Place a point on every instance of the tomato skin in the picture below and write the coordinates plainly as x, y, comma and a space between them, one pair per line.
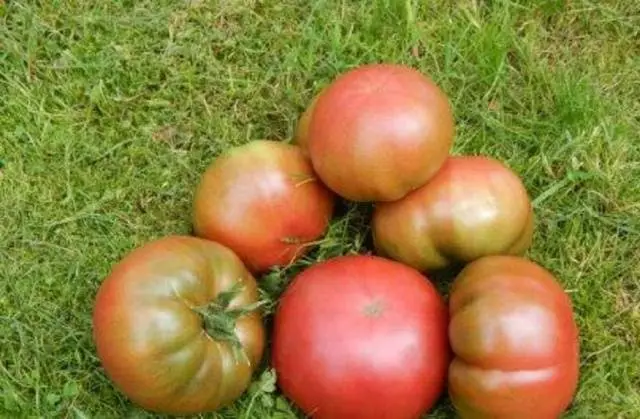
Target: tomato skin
263, 201
474, 206
151, 342
515, 340
380, 131
361, 337
301, 137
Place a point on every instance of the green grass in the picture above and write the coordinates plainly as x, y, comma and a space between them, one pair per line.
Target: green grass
110, 110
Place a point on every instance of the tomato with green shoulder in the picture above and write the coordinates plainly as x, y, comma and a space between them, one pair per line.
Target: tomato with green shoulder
515, 341
474, 206
177, 326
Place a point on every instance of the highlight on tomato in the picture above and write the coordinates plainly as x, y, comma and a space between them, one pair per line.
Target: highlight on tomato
379, 131
515, 341
474, 206
359, 337
264, 201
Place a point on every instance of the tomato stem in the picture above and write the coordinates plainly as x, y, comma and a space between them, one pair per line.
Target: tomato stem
220, 321
292, 240
218, 324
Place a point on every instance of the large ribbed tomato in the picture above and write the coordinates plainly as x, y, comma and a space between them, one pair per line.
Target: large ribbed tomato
379, 131
264, 201
474, 206
175, 328
515, 340
361, 337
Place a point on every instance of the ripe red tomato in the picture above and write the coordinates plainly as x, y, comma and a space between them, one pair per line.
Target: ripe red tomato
163, 335
515, 341
380, 131
263, 201
361, 337
473, 207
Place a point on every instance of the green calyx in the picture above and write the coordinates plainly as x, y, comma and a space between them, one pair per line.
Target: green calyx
219, 320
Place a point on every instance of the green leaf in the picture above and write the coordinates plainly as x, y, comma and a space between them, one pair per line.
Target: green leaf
281, 404
267, 400
53, 398
265, 384
267, 381
71, 389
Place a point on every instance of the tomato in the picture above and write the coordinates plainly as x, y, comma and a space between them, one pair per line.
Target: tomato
380, 131
515, 340
264, 201
164, 334
475, 206
302, 129
361, 337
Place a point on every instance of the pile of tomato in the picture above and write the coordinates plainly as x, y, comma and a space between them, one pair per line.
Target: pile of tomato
178, 323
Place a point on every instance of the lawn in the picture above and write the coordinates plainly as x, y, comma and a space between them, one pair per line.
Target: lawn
109, 112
